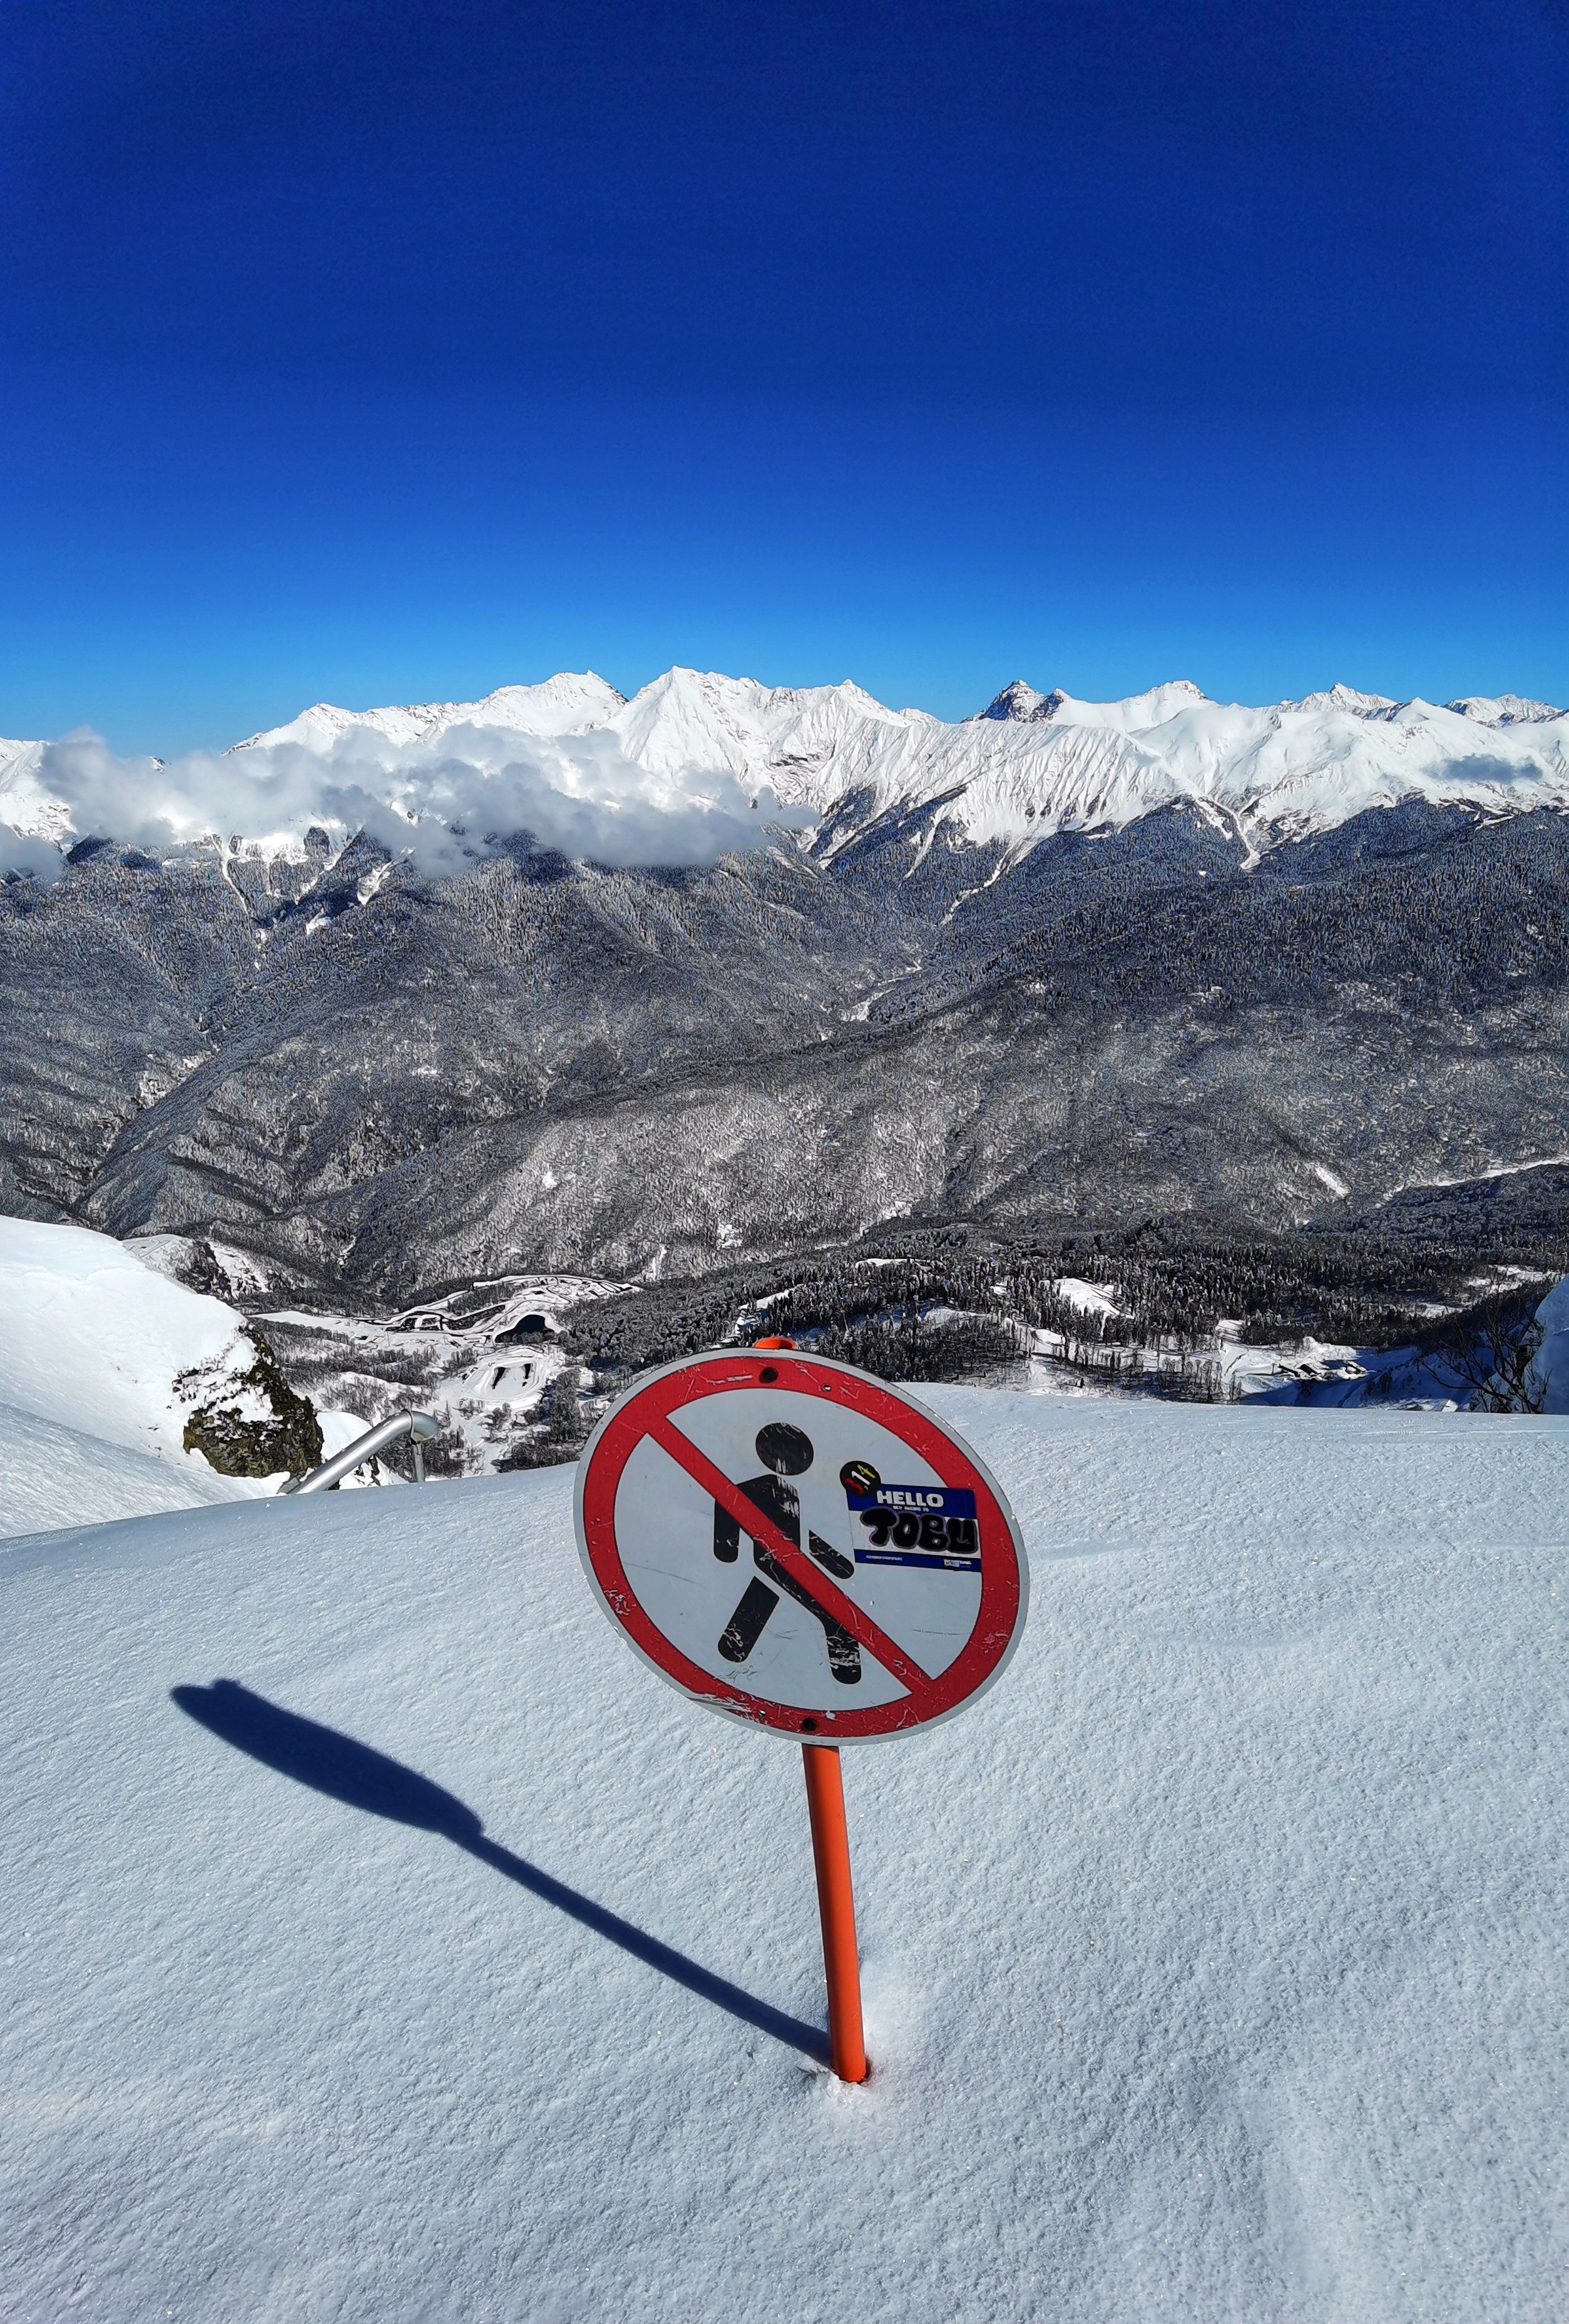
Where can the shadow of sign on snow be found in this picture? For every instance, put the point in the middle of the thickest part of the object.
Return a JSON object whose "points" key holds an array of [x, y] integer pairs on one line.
{"points": [[336, 1764]]}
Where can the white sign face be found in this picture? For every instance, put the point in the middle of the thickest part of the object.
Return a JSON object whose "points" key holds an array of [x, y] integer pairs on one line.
{"points": [[796, 1544]]}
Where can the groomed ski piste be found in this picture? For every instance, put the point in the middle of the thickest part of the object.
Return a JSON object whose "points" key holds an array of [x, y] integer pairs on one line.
{"points": [[384, 1942]]}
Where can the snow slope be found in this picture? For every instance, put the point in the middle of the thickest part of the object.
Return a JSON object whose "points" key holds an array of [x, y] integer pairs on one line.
{"points": [[1214, 1962], [92, 1338], [566, 704], [92, 1346], [51, 1476], [589, 767], [29, 811]]}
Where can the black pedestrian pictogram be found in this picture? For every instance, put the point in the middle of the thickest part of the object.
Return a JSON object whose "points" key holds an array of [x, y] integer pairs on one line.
{"points": [[785, 1452]]}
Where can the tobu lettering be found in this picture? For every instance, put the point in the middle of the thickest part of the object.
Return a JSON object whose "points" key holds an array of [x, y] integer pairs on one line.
{"points": [[937, 1535], [917, 1525]]}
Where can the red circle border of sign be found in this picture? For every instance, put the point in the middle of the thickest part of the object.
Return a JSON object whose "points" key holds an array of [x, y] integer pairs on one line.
{"points": [[1004, 1584]]}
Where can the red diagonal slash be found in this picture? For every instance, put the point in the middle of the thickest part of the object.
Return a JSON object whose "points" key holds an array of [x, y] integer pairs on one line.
{"points": [[796, 1564]]}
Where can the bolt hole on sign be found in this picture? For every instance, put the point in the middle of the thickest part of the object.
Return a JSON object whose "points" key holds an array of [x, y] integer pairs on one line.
{"points": [[799, 1547]]}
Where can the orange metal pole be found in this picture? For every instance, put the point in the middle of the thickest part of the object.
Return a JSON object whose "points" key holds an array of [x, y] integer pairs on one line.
{"points": [[831, 1853]]}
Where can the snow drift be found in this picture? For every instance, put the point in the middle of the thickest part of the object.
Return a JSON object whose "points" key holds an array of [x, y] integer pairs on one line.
{"points": [[384, 1943], [92, 1339], [103, 1361], [696, 765]]}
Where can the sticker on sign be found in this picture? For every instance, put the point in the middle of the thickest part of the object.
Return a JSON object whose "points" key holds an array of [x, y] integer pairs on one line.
{"points": [[798, 1545]]}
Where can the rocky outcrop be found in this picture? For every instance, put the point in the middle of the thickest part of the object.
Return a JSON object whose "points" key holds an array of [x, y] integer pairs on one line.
{"points": [[266, 1429]]}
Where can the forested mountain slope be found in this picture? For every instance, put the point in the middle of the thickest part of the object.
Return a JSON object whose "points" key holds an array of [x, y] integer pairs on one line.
{"points": [[378, 1079]]}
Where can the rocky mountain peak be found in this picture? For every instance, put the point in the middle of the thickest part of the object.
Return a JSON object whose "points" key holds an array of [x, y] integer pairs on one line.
{"points": [[1023, 703]]}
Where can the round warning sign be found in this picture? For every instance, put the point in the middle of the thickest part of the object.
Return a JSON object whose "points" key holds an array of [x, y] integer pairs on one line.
{"points": [[799, 1545]]}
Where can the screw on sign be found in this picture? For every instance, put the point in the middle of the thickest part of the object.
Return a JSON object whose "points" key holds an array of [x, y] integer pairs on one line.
{"points": [[803, 1548]]}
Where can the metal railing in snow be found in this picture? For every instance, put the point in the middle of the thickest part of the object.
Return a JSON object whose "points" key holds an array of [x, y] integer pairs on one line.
{"points": [[415, 1425]]}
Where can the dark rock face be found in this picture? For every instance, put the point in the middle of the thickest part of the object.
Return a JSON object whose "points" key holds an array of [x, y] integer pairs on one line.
{"points": [[626, 1072], [1020, 701], [237, 1446]]}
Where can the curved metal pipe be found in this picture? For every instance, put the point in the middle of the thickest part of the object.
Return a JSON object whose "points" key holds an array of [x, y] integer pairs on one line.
{"points": [[419, 1426]]}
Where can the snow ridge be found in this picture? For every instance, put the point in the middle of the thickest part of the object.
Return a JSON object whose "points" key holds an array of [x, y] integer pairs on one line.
{"points": [[691, 742], [568, 704]]}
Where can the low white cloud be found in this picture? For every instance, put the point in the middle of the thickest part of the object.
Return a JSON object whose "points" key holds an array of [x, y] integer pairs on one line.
{"points": [[23, 856], [438, 805]]}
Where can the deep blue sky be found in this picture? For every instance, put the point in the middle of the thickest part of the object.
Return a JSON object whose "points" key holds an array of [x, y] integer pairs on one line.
{"points": [[376, 352]]}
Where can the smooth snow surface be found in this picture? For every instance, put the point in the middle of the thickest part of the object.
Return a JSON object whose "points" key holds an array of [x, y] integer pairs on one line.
{"points": [[1213, 1963], [90, 1337], [54, 1476], [697, 763], [92, 1344], [566, 704]]}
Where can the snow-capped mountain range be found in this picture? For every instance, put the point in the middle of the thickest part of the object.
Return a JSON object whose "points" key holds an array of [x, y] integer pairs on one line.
{"points": [[699, 763], [728, 969], [1030, 763]]}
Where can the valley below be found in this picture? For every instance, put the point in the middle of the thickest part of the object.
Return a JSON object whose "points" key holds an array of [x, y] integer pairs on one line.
{"points": [[1058, 986], [550, 1066]]}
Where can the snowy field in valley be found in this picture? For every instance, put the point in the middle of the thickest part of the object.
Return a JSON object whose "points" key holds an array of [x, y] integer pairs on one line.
{"points": [[384, 1943]]}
